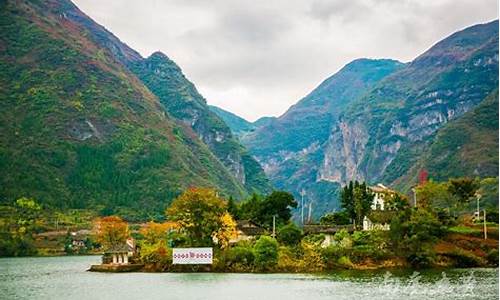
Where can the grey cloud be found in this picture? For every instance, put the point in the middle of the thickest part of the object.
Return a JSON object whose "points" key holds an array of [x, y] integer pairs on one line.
{"points": [[259, 57]]}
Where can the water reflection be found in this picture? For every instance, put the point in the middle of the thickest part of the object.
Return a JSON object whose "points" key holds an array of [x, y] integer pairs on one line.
{"points": [[65, 278]]}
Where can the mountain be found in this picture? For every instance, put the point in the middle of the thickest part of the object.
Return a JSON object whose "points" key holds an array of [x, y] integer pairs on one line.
{"points": [[238, 125], [377, 120], [471, 140], [80, 128], [290, 148], [263, 121], [380, 135], [180, 98]]}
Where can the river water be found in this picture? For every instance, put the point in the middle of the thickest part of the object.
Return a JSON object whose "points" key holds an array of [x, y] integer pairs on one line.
{"points": [[66, 278]]}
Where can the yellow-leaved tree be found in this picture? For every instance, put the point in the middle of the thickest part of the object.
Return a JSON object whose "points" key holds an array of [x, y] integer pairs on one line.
{"points": [[111, 231], [202, 215]]}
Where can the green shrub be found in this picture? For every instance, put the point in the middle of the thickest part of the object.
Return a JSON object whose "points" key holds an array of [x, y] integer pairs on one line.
{"points": [[492, 257], [344, 262], [336, 218], [240, 255], [422, 257], [331, 254], [266, 253], [465, 259], [290, 234]]}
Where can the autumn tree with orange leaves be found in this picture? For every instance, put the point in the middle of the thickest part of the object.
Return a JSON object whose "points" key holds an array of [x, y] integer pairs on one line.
{"points": [[202, 215], [111, 231], [155, 232]]}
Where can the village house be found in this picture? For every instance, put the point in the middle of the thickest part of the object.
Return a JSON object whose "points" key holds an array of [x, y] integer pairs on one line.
{"points": [[120, 254], [246, 230], [380, 215]]}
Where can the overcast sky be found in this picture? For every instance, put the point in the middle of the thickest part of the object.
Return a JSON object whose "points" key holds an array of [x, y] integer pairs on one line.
{"points": [[256, 58]]}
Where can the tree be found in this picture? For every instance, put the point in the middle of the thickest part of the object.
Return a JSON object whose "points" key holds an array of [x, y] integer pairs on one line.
{"points": [[290, 234], [155, 232], [335, 218], [279, 204], [356, 200], [396, 201], [250, 208], [463, 188], [199, 212], [111, 231], [266, 252], [28, 211], [434, 195], [232, 208], [414, 233], [227, 231]]}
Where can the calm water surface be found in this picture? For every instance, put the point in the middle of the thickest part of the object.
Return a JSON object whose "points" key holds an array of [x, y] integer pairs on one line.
{"points": [[65, 278]]}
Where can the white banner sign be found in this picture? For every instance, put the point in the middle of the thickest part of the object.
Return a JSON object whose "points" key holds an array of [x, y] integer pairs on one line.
{"points": [[191, 256]]}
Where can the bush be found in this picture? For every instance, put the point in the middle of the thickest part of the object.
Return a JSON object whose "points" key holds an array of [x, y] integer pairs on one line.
{"points": [[344, 262], [492, 257], [492, 216], [465, 259], [336, 218], [240, 256], [287, 260], [423, 257], [312, 257], [266, 253], [331, 254], [289, 234]]}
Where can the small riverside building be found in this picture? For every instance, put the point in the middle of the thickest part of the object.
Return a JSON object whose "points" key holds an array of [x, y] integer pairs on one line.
{"points": [[380, 216], [246, 230], [117, 255], [119, 258]]}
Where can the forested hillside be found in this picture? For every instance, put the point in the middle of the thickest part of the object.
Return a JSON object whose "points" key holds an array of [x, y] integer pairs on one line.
{"points": [[80, 130]]}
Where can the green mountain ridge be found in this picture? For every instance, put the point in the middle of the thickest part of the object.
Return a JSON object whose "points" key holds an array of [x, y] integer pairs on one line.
{"points": [[471, 140], [181, 99], [79, 129], [238, 125], [379, 131]]}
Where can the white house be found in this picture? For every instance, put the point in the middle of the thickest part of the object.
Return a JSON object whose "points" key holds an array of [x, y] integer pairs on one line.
{"points": [[379, 206]]}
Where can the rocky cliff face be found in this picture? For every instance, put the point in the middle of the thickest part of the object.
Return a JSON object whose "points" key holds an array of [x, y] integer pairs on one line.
{"points": [[291, 148], [410, 105], [179, 98], [350, 128]]}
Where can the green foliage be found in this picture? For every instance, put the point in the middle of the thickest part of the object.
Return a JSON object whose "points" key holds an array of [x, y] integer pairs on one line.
{"points": [[240, 256], [18, 226], [232, 208], [261, 211], [74, 111], [463, 188], [492, 257], [336, 218], [266, 253], [199, 213], [356, 200], [344, 262], [290, 234], [414, 232], [466, 259]]}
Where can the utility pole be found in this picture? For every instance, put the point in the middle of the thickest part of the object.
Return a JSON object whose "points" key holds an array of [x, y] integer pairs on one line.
{"points": [[414, 197], [484, 225], [309, 215], [478, 212], [274, 226], [302, 193]]}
